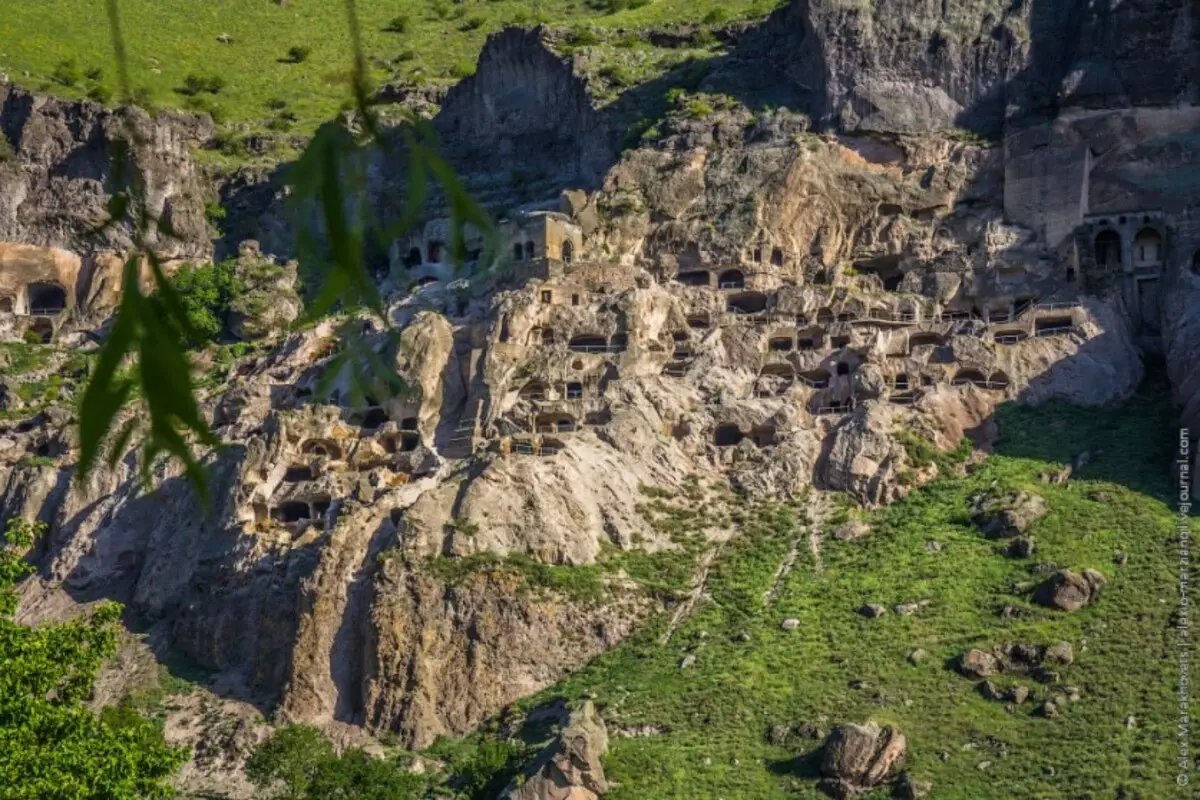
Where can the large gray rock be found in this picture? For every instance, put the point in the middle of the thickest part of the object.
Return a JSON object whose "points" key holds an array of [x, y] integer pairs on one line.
{"points": [[569, 768], [1070, 591], [1003, 516], [859, 758]]}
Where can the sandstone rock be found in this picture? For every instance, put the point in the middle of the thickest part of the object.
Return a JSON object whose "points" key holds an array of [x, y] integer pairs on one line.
{"points": [[1019, 694], [978, 664], [1070, 591], [790, 624], [917, 656], [1003, 516], [569, 768], [851, 530], [858, 758]]}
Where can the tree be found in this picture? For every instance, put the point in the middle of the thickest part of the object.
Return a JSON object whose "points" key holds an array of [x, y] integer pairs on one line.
{"points": [[51, 744]]}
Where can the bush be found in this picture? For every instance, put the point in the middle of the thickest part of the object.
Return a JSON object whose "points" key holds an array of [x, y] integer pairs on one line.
{"points": [[582, 36], [66, 73], [94, 74], [207, 292], [298, 54], [473, 23], [717, 16], [276, 104], [198, 84], [31, 337], [398, 24], [100, 94], [299, 763]]}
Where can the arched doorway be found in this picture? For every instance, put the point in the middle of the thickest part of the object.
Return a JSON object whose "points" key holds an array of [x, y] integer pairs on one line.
{"points": [[46, 299], [732, 279], [413, 259], [1147, 248], [568, 252]]}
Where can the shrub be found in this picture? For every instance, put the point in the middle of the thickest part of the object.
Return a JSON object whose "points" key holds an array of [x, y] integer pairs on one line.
{"points": [[583, 36], [94, 74], [207, 292], [717, 16], [398, 24], [299, 763], [198, 84], [31, 337], [473, 23], [297, 54], [100, 94], [66, 73], [276, 104]]}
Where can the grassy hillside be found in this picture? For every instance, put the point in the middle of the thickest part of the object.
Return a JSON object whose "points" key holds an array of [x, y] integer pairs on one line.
{"points": [[289, 55], [750, 675]]}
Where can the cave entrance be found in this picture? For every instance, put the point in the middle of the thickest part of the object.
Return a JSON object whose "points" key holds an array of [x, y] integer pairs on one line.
{"points": [[46, 299], [727, 435], [695, 277]]}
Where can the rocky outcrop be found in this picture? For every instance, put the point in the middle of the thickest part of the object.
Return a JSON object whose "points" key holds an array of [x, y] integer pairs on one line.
{"points": [[54, 187], [1004, 516], [1070, 591], [569, 768], [859, 758]]}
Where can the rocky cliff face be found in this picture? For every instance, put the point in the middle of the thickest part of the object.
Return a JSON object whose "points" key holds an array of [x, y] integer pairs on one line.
{"points": [[55, 181], [753, 305]]}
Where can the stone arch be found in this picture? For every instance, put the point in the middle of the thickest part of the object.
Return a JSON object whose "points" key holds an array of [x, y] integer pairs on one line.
{"points": [[972, 376], [413, 259], [518, 252], [298, 473], [727, 435], [568, 252], [588, 343], [1108, 249], [534, 390], [924, 339], [781, 343], [998, 380], [1147, 247], [694, 277], [731, 279], [46, 299], [327, 448], [573, 390], [748, 303], [291, 511]]}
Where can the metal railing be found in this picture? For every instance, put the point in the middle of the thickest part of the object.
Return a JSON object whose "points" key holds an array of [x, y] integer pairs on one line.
{"points": [[594, 348], [731, 285], [1058, 305], [1057, 330], [1011, 338], [675, 372], [812, 384], [46, 311]]}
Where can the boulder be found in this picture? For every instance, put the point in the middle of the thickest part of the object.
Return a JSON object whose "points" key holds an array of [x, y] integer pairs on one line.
{"points": [[872, 610], [1003, 516], [978, 664], [1069, 591], [859, 758], [909, 788], [1021, 547], [569, 768], [848, 531]]}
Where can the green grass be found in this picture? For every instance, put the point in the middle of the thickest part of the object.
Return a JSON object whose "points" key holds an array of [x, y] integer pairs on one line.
{"points": [[715, 714], [64, 46]]}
